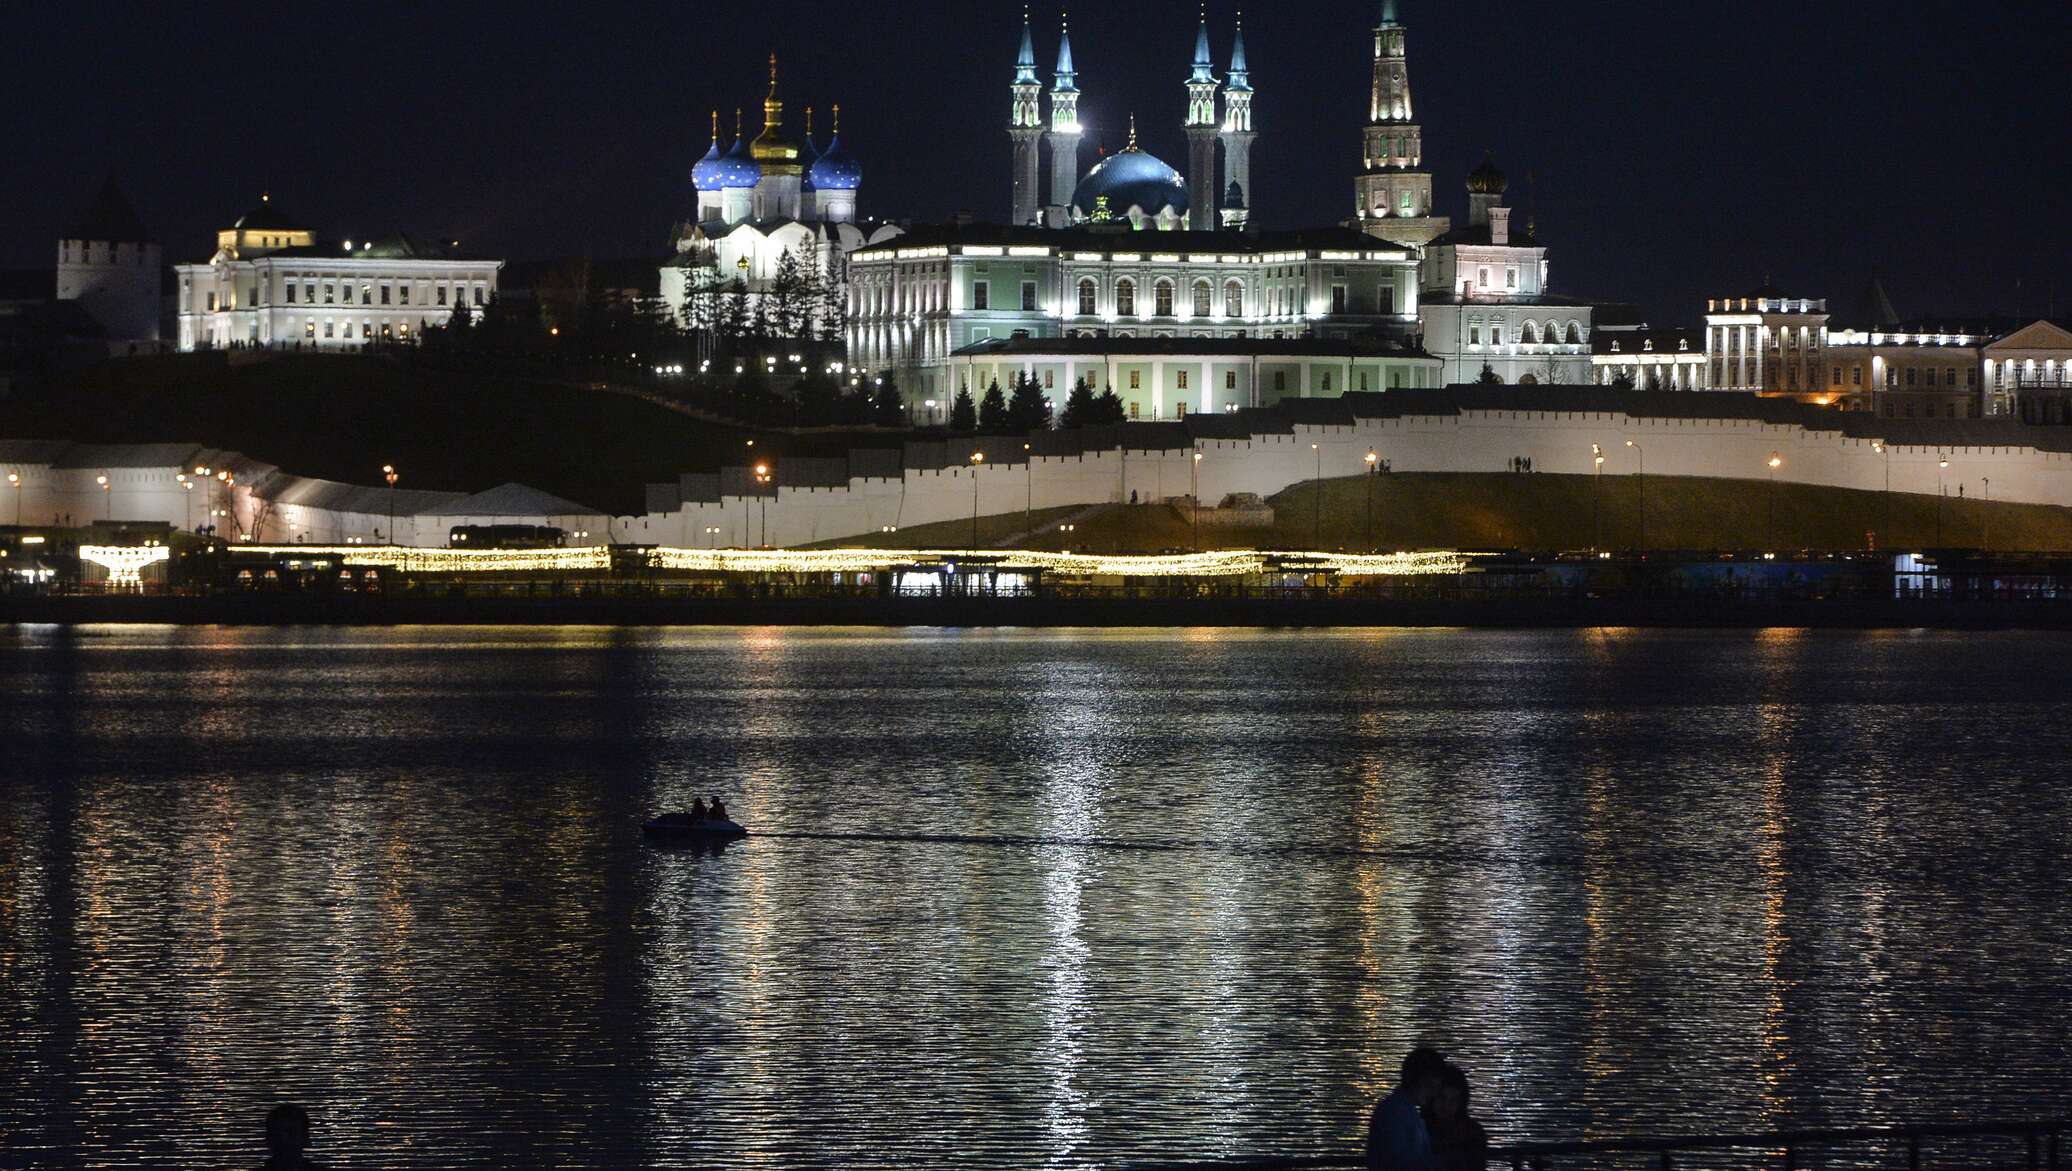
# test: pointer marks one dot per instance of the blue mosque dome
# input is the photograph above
(1130, 178)
(835, 170)
(705, 175)
(736, 168)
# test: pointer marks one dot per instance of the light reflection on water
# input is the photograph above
(1076, 897)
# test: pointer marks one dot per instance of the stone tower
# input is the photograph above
(1393, 194)
(1025, 129)
(1237, 127)
(1202, 132)
(1064, 131)
(110, 265)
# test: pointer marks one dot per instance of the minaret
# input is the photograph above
(1237, 126)
(1025, 128)
(1394, 191)
(1201, 134)
(1064, 129)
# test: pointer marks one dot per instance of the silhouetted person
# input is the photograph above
(1397, 1139)
(697, 809)
(287, 1136)
(1458, 1140)
(719, 809)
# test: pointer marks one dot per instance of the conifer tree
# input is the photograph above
(963, 416)
(887, 408)
(992, 410)
(1079, 406)
(1026, 410)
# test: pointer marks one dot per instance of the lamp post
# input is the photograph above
(1596, 513)
(107, 498)
(388, 472)
(186, 486)
(1373, 470)
(1776, 461)
(1317, 533)
(14, 481)
(978, 459)
(1028, 490)
(762, 494)
(1642, 484)
(1985, 539)
(1942, 464)
(1194, 494)
(1885, 501)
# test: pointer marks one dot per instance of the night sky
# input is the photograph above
(1681, 148)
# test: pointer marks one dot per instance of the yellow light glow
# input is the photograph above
(589, 557)
(1223, 563)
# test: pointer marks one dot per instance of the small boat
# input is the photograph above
(684, 827)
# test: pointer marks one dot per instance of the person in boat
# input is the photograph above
(1458, 1141)
(719, 810)
(698, 809)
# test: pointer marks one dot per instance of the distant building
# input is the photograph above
(1906, 369)
(2028, 372)
(273, 284)
(916, 300)
(1486, 300)
(1767, 342)
(1392, 197)
(109, 264)
(1648, 357)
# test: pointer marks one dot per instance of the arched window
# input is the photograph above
(1126, 297)
(1575, 334)
(1086, 298)
(1531, 335)
(1162, 299)
(1202, 297)
(1234, 299)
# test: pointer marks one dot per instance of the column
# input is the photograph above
(1208, 393)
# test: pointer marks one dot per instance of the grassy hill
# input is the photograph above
(1545, 512)
(343, 417)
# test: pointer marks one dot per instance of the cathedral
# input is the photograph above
(1132, 185)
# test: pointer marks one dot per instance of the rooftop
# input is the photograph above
(1107, 240)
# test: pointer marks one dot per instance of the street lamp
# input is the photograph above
(1317, 531)
(1776, 461)
(712, 536)
(1941, 465)
(1885, 502)
(1596, 475)
(1028, 490)
(1642, 484)
(1373, 470)
(186, 485)
(1985, 539)
(978, 459)
(388, 472)
(107, 498)
(14, 481)
(1068, 529)
(1194, 494)
(762, 478)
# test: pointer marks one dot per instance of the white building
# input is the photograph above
(273, 284)
(1648, 357)
(1486, 301)
(1768, 342)
(110, 264)
(916, 300)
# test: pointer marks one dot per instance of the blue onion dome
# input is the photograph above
(705, 176)
(737, 167)
(835, 170)
(1130, 178)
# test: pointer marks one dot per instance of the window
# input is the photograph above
(1406, 204)
(309, 329)
(1338, 299)
(1234, 300)
(330, 293)
(1086, 298)
(1575, 334)
(442, 294)
(1532, 336)
(212, 302)
(403, 294)
(478, 294)
(1363, 380)
(1950, 376)
(289, 293)
(366, 294)
(1280, 380)
(1912, 375)
(1202, 297)
(1126, 298)
(1163, 299)
(1183, 380)
(1496, 335)
(1136, 380)
(384, 294)
(1971, 376)
(1510, 278)
(1856, 376)
(1049, 380)
(1474, 335)
(1230, 380)
(327, 328)
(1326, 383)
(1837, 380)
(1482, 277)
(981, 294)
(1028, 296)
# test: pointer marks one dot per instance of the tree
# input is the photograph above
(737, 318)
(1622, 381)
(1655, 381)
(887, 408)
(992, 410)
(1488, 377)
(787, 297)
(807, 258)
(963, 417)
(816, 394)
(462, 319)
(1026, 410)
(834, 297)
(1108, 409)
(1079, 406)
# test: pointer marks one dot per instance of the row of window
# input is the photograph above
(332, 295)
(1532, 334)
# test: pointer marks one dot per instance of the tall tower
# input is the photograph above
(1025, 128)
(109, 263)
(1201, 134)
(1064, 130)
(1394, 192)
(1237, 123)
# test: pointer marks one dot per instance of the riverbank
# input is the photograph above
(1136, 611)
